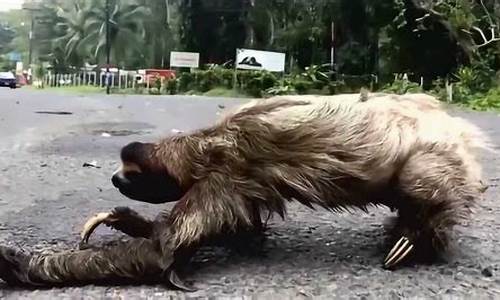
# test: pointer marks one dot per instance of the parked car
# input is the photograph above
(8, 79)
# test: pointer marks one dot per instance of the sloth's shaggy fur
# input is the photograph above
(335, 152)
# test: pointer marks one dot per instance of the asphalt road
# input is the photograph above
(46, 195)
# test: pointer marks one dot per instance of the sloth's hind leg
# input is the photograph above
(436, 192)
(138, 259)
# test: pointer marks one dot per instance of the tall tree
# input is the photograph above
(73, 36)
(6, 36)
(161, 31)
(127, 30)
(214, 28)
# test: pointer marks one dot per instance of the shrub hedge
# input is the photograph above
(257, 83)
(477, 89)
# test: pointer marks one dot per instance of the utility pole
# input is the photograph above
(32, 7)
(32, 29)
(108, 49)
(332, 49)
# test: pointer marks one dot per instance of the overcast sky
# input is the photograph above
(10, 4)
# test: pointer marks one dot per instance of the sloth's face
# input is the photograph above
(141, 177)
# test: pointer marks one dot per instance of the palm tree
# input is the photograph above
(298, 27)
(127, 30)
(72, 24)
(161, 33)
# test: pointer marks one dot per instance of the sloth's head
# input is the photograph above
(143, 178)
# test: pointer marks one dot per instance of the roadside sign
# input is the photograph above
(249, 59)
(184, 59)
(19, 67)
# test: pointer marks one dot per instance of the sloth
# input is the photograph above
(404, 152)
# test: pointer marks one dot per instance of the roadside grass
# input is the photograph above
(216, 92)
(82, 89)
(225, 92)
(488, 102)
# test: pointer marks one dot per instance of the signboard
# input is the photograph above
(184, 59)
(260, 60)
(19, 67)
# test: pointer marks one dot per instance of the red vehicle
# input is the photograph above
(153, 74)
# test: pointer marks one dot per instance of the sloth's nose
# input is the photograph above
(118, 179)
(115, 180)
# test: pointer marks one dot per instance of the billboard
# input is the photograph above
(19, 68)
(184, 59)
(249, 59)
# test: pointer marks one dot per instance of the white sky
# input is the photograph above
(10, 4)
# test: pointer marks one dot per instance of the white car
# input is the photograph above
(8, 79)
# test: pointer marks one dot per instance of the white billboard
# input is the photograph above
(184, 59)
(19, 67)
(249, 59)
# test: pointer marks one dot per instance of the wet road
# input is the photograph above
(46, 195)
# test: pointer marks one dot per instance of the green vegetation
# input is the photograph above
(225, 92)
(81, 90)
(436, 43)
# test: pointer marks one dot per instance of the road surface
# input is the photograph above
(46, 195)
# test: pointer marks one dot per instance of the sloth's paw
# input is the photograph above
(403, 247)
(14, 266)
(417, 246)
(174, 280)
(92, 224)
(123, 219)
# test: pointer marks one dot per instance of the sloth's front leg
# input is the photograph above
(123, 219)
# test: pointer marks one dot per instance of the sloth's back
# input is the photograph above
(411, 120)
(343, 135)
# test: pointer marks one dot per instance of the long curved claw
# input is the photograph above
(176, 282)
(92, 224)
(400, 250)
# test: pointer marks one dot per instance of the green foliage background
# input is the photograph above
(433, 40)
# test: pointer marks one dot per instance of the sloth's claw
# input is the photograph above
(176, 282)
(92, 224)
(400, 250)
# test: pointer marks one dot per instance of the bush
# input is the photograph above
(314, 79)
(335, 87)
(186, 81)
(490, 100)
(317, 76)
(478, 78)
(283, 87)
(401, 86)
(170, 86)
(256, 83)
(224, 92)
(205, 80)
(302, 86)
